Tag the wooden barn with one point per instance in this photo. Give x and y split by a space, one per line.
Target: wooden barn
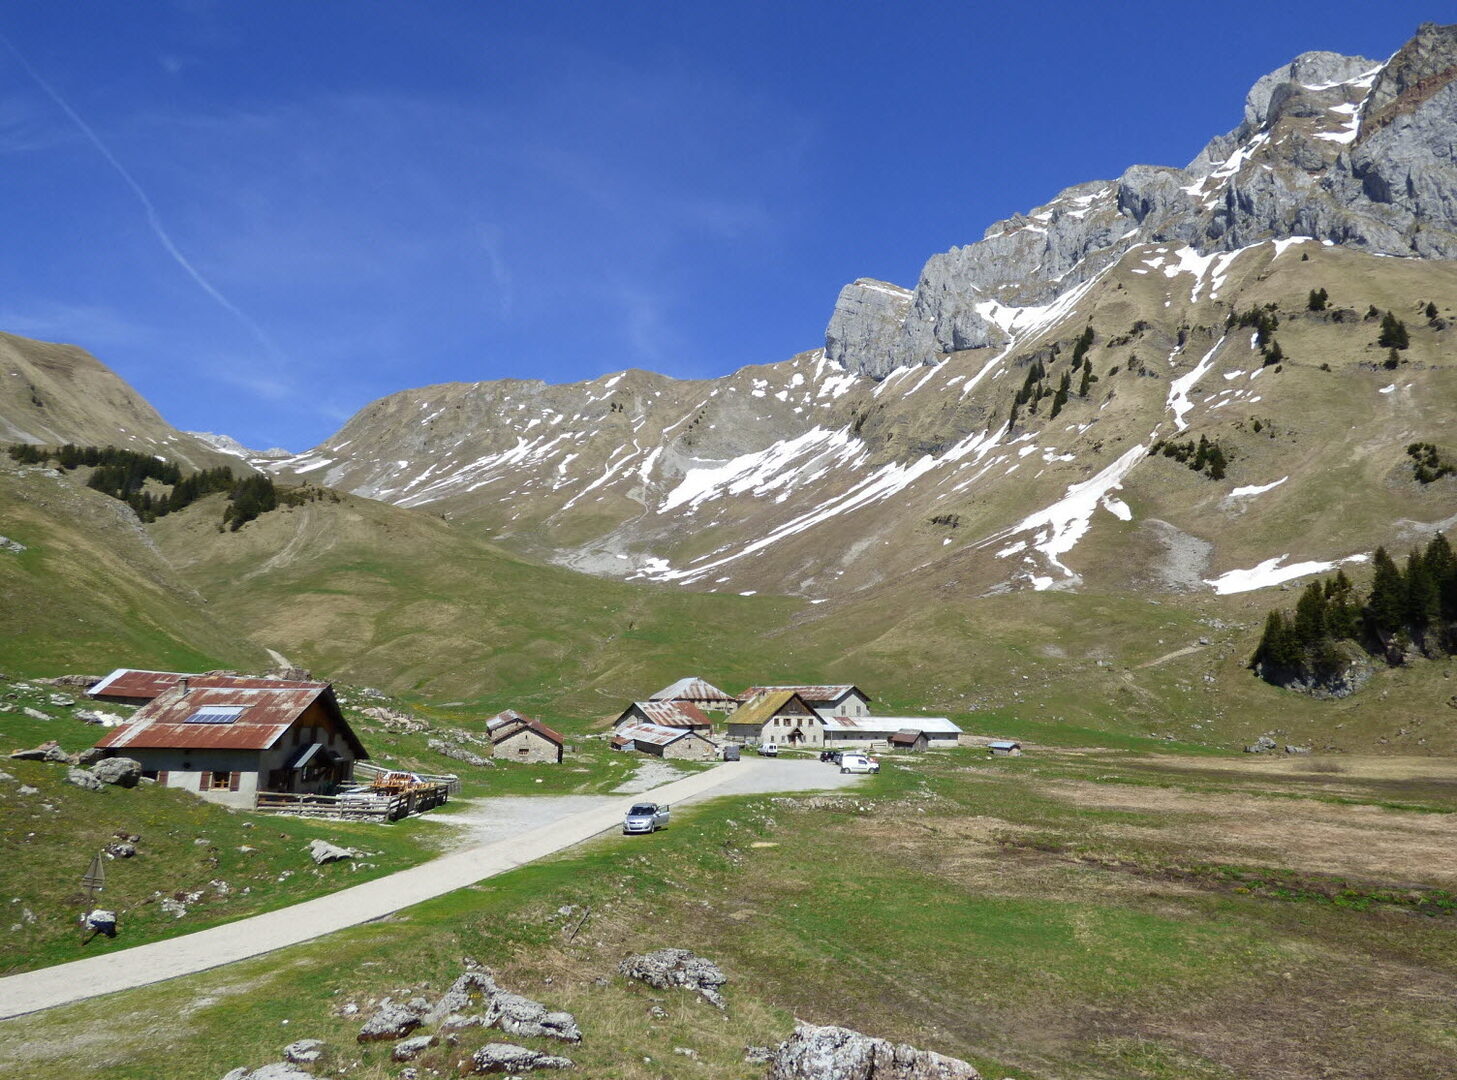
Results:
781 717
909 739
227 738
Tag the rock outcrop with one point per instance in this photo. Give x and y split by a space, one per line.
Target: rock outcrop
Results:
667 968
1339 148
321 851
509 1058
390 1021
122 771
836 1053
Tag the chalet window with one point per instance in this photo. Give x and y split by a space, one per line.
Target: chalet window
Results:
523 750
222 781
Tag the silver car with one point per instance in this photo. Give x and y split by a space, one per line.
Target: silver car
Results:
646 817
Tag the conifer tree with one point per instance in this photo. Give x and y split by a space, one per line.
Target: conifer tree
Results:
1310 621
1431 310
1386 606
1087 381
1393 333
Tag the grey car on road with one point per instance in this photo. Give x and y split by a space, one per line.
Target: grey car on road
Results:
646 817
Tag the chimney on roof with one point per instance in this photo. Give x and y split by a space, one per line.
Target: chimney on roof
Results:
182 684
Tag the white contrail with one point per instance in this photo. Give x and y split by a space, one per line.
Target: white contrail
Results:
154 220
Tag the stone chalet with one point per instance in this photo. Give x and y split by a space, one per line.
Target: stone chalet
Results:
670 714
842 700
515 737
227 738
665 742
698 692
781 717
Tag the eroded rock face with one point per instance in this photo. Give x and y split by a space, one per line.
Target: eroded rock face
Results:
1339 148
836 1053
667 968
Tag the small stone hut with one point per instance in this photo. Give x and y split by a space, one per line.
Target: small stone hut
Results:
665 742
520 738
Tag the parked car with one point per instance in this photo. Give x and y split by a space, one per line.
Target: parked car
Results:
646 817
858 763
730 752
831 755
768 749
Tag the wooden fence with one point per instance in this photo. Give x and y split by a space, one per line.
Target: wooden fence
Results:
368 773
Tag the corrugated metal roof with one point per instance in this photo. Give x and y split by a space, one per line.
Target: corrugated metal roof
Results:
931 725
691 689
821 694
1003 744
905 738
505 716
674 714
650 733
768 705
126 683
269 710
506 728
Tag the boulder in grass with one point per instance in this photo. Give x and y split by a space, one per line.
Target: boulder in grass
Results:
321 851
304 1051
409 1049
509 1058
529 1019
390 1021
667 968
83 779
836 1053
122 771
46 751
276 1070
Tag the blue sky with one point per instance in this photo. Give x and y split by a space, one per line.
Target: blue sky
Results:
264 215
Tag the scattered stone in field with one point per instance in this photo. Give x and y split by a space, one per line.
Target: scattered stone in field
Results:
175 908
836 1053
1297 749
529 1019
6 777
83 779
758 1055
62 701
35 714
321 851
406 1049
1263 745
26 789
457 753
120 849
122 771
11 547
201 840
390 1021
81 682
246 849
102 921
687 1052
394 719
99 716
46 751
667 968
277 1070
657 1012
88 757
507 1057
303 1051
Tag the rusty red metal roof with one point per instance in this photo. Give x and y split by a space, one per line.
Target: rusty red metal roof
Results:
231 713
675 714
691 689
134 683
813 694
656 734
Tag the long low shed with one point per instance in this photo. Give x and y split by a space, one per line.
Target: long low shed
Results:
849 731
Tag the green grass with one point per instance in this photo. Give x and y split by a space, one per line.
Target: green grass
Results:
895 910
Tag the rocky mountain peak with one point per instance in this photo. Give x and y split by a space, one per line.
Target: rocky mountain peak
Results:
1333 147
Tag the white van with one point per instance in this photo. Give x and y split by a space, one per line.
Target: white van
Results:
858 763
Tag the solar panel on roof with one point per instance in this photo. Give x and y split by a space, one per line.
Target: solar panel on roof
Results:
216 714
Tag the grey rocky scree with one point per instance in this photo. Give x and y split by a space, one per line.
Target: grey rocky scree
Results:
836 1053
667 968
509 1058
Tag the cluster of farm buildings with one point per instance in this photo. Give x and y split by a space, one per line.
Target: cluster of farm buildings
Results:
677 721
277 743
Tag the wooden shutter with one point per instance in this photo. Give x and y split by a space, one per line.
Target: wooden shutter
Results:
204 780
162 778
234 779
